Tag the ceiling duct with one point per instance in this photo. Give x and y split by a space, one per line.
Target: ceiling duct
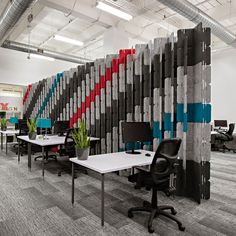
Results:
44 52
197 16
11 15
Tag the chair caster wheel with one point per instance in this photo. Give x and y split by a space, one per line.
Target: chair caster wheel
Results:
130 214
173 212
59 174
150 229
181 228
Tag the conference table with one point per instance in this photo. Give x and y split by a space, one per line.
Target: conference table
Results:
107 163
44 143
7 133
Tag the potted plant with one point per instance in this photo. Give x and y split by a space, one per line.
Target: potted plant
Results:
82 141
31 123
3 122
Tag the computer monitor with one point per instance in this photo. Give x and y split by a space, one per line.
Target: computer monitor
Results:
60 127
220 123
133 132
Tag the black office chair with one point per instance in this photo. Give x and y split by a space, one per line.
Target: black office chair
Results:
162 167
23 130
68 150
219 140
36 148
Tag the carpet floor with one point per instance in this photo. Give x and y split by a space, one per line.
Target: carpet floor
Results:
31 205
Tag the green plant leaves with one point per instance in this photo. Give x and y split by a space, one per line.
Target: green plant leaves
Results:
31 123
80 136
3 122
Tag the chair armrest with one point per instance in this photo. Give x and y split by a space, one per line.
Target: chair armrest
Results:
221 132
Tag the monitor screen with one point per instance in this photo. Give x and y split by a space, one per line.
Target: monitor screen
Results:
60 127
136 132
220 123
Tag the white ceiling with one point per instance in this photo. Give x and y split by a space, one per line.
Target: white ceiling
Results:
81 20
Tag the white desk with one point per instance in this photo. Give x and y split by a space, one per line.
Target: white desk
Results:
7 133
52 140
107 163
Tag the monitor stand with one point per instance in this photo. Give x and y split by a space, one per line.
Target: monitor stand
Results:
133 152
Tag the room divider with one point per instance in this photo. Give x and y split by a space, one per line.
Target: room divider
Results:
165 82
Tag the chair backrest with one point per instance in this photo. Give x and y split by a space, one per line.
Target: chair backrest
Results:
69 143
163 163
231 129
23 128
44 130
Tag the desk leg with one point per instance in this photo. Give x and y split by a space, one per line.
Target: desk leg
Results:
18 150
132 171
29 156
43 161
6 143
102 200
73 183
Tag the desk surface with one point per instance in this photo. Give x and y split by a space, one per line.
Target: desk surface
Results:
50 141
111 162
9 132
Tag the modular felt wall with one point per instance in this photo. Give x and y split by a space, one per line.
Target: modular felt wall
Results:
165 82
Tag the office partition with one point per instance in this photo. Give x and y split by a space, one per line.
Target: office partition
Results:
165 82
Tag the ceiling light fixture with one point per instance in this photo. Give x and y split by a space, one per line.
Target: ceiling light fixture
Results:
42 57
68 40
114 11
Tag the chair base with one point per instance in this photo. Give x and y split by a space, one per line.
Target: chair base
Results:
54 157
154 212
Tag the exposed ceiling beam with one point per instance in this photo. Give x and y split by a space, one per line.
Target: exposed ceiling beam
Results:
11 15
22 24
91 40
223 12
58 31
3 5
81 11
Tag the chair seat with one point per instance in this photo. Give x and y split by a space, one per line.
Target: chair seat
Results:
54 149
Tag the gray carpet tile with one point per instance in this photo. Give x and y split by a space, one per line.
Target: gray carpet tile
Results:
31 205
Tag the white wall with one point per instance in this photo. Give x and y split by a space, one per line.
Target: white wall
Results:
15 68
223 82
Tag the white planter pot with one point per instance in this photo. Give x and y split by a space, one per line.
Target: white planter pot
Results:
83 153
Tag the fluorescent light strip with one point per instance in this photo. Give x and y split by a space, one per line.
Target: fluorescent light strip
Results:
68 40
114 11
42 57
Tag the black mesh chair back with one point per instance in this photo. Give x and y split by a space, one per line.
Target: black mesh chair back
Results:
69 143
231 129
44 131
23 128
163 163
